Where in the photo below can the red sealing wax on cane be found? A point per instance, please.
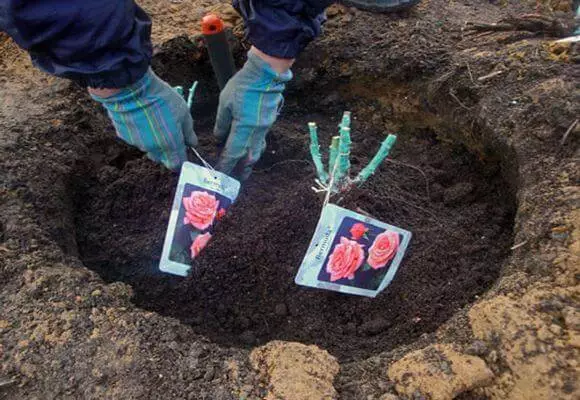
(212, 24)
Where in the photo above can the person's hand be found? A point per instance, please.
(249, 106)
(153, 117)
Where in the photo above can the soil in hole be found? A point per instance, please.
(242, 292)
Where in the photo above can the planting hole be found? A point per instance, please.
(241, 291)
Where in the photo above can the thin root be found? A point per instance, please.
(489, 76)
(517, 246)
(568, 131)
(416, 169)
(458, 101)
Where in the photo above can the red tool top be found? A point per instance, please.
(211, 24)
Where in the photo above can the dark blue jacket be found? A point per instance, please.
(98, 43)
(282, 28)
(107, 43)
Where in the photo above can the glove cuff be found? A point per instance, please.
(262, 68)
(130, 92)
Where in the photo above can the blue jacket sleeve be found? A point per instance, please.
(98, 43)
(282, 28)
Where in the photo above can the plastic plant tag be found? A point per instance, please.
(352, 253)
(202, 198)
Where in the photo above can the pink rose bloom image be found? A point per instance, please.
(199, 243)
(200, 210)
(383, 249)
(358, 230)
(345, 260)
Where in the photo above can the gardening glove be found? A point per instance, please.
(153, 117)
(249, 105)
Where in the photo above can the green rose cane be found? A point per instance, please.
(315, 153)
(339, 156)
(377, 160)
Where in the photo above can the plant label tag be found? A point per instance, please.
(202, 198)
(352, 253)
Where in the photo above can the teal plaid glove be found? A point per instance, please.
(249, 106)
(153, 117)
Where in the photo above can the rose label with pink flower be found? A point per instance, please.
(202, 199)
(352, 253)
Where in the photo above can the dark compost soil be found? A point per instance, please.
(241, 291)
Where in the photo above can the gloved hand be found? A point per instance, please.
(249, 106)
(153, 117)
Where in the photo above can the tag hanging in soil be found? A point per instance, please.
(352, 253)
(202, 198)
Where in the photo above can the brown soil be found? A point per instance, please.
(483, 164)
(242, 290)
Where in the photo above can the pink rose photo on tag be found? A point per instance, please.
(200, 210)
(199, 244)
(360, 255)
(383, 249)
(345, 260)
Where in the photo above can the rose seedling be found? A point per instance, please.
(337, 179)
(349, 252)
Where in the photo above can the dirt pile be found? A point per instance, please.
(293, 371)
(537, 336)
(439, 371)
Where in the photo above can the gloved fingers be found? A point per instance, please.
(151, 116)
(254, 154)
(235, 149)
(247, 135)
(249, 106)
(165, 136)
(223, 122)
(153, 130)
(188, 132)
(227, 163)
(170, 100)
(243, 150)
(167, 148)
